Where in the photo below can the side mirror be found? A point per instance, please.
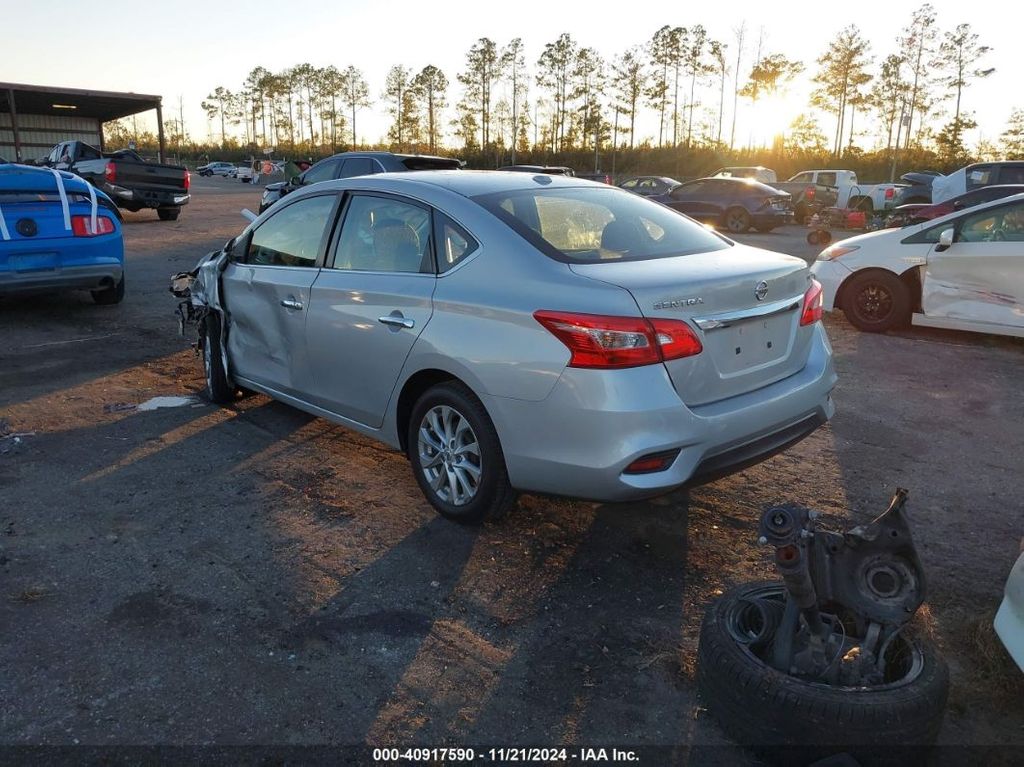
(945, 240)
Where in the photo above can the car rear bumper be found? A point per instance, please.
(772, 218)
(1009, 623)
(89, 277)
(146, 198)
(580, 439)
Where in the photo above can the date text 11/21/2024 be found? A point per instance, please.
(505, 754)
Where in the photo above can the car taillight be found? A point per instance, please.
(598, 341)
(110, 172)
(81, 226)
(814, 299)
(809, 193)
(188, 180)
(890, 193)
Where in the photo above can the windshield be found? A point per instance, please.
(585, 225)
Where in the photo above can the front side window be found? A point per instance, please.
(322, 171)
(828, 179)
(383, 234)
(594, 225)
(1004, 223)
(293, 235)
(980, 176)
(688, 191)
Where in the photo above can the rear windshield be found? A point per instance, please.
(588, 225)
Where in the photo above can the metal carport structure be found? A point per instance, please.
(35, 117)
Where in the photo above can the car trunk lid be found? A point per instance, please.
(744, 304)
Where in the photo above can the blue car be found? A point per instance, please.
(57, 232)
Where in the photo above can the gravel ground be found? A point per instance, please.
(253, 575)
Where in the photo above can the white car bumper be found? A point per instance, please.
(831, 275)
(1009, 622)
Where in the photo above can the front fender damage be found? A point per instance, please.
(202, 303)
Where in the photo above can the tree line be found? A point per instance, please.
(572, 101)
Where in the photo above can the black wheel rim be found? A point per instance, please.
(874, 303)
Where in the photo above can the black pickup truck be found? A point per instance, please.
(129, 180)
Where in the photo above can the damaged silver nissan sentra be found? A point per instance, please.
(512, 332)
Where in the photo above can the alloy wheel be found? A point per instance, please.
(449, 455)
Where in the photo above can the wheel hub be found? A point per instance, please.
(449, 455)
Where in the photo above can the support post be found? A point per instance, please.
(14, 125)
(160, 130)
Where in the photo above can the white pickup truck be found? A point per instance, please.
(850, 193)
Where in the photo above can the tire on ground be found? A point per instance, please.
(875, 285)
(779, 714)
(112, 295)
(736, 220)
(217, 387)
(168, 214)
(494, 494)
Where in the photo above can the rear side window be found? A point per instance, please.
(357, 166)
(453, 242)
(585, 225)
(294, 235)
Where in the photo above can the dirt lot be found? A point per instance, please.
(254, 575)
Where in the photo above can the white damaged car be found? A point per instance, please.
(1009, 622)
(964, 271)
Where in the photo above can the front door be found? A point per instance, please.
(980, 277)
(368, 307)
(267, 292)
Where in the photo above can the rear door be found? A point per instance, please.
(358, 166)
(980, 278)
(267, 293)
(370, 304)
(692, 199)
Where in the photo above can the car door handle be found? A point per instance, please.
(291, 303)
(397, 322)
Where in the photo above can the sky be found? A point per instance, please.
(187, 49)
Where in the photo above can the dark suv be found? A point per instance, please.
(348, 164)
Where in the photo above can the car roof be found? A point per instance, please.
(749, 183)
(468, 183)
(382, 154)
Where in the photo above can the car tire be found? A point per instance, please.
(736, 220)
(763, 708)
(876, 301)
(110, 296)
(446, 420)
(217, 387)
(168, 214)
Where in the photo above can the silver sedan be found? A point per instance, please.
(514, 332)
